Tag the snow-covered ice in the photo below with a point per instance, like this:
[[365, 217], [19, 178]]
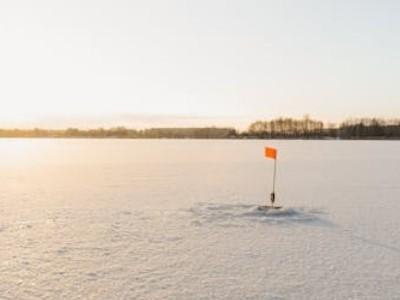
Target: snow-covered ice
[[178, 219]]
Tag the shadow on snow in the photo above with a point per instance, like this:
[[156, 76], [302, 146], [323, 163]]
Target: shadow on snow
[[240, 214]]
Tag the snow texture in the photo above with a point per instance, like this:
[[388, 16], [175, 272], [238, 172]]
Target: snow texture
[[178, 219]]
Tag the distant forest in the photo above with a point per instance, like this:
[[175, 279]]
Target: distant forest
[[280, 128], [307, 128]]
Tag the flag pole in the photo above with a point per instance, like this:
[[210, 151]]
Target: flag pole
[[273, 154], [273, 184]]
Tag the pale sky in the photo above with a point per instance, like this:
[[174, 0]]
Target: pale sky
[[93, 62]]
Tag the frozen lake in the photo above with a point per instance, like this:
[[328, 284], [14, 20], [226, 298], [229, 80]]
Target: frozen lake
[[177, 219]]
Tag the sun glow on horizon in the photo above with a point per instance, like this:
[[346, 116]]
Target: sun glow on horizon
[[19, 151]]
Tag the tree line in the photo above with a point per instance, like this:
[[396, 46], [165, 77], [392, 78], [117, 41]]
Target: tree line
[[123, 132], [362, 128], [279, 128], [287, 128], [369, 128]]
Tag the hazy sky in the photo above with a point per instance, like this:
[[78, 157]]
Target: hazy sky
[[218, 61]]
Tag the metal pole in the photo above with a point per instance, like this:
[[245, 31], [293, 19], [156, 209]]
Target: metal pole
[[273, 185]]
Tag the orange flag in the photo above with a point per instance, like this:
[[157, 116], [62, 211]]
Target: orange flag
[[271, 152]]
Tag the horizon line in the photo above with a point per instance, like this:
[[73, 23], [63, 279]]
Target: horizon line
[[173, 118]]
